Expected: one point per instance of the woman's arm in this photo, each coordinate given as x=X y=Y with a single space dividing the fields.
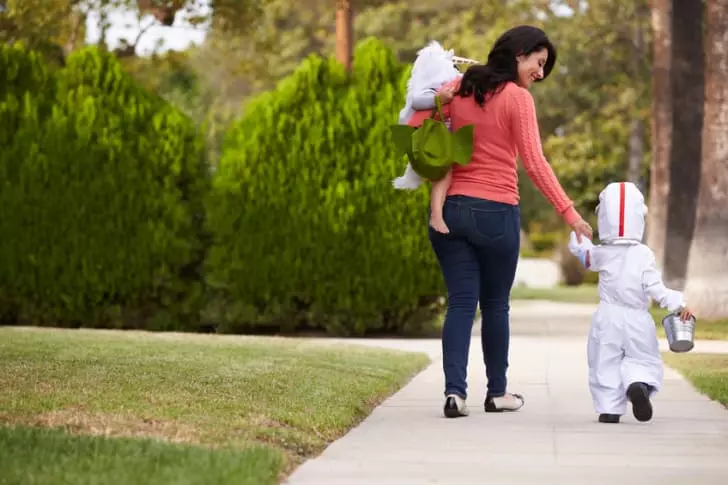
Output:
x=528 y=141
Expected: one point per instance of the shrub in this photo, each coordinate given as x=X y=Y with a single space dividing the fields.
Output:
x=25 y=84
x=547 y=241
x=572 y=273
x=307 y=229
x=101 y=204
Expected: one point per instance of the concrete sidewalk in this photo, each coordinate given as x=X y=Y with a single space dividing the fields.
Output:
x=554 y=439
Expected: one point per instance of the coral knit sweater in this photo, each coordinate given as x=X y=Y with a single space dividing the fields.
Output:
x=505 y=126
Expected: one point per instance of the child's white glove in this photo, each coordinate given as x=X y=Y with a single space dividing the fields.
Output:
x=579 y=249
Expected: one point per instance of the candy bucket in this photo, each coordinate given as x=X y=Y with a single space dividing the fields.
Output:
x=680 y=334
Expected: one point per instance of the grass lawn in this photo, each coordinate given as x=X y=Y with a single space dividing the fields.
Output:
x=573 y=294
x=704 y=330
x=707 y=372
x=102 y=407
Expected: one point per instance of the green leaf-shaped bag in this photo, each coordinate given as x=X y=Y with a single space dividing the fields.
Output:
x=432 y=148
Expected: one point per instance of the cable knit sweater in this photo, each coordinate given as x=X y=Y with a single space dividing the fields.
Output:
x=505 y=127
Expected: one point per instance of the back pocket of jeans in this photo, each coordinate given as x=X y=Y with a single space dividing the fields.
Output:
x=489 y=224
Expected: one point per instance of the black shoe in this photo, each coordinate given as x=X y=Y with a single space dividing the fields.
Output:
x=639 y=394
x=609 y=418
x=508 y=402
x=455 y=406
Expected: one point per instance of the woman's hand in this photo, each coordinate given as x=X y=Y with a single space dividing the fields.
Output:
x=582 y=229
x=446 y=94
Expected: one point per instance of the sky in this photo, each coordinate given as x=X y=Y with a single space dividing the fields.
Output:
x=124 y=24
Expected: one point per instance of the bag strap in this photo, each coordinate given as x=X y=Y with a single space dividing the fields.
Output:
x=437 y=110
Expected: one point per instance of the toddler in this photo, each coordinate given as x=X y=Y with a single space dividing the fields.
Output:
x=623 y=352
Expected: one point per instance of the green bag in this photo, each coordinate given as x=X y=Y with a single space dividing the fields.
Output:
x=433 y=148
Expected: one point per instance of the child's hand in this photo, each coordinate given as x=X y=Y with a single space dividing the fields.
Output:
x=576 y=248
x=685 y=314
x=438 y=224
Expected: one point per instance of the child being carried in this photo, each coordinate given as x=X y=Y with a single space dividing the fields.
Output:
x=433 y=75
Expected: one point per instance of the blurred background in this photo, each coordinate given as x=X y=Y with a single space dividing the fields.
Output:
x=225 y=165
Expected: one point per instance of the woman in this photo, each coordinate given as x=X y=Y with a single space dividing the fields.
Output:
x=479 y=251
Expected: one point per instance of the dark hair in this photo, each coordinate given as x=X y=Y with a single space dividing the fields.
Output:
x=485 y=80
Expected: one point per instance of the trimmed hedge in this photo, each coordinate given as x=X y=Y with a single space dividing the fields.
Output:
x=101 y=203
x=307 y=229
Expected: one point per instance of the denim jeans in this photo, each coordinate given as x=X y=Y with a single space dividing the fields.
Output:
x=478 y=259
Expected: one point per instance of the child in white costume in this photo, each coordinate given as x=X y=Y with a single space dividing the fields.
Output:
x=623 y=352
x=433 y=68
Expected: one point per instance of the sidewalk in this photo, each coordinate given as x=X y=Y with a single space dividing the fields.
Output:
x=554 y=439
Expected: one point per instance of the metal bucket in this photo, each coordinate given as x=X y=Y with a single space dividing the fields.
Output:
x=680 y=334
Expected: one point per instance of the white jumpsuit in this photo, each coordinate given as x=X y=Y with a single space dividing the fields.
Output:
x=622 y=346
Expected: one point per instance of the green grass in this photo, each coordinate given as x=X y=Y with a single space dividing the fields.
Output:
x=586 y=293
x=248 y=408
x=707 y=372
x=48 y=457
x=573 y=294
x=704 y=329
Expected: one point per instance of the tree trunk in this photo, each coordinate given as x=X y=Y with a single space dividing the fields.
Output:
x=77 y=21
x=637 y=129
x=344 y=33
x=688 y=93
x=707 y=283
x=661 y=127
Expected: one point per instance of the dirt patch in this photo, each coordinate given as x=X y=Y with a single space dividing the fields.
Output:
x=79 y=421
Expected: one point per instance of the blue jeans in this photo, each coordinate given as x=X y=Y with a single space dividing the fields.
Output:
x=478 y=259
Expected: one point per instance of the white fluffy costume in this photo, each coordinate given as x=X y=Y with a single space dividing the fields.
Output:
x=622 y=346
x=433 y=67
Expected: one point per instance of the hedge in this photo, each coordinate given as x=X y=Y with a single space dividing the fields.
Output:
x=101 y=202
x=307 y=231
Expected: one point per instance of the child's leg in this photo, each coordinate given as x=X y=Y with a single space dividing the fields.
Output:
x=604 y=353
x=437 y=201
x=642 y=359
x=642 y=368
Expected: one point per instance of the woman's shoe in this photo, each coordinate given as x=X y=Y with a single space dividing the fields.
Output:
x=507 y=402
x=455 y=406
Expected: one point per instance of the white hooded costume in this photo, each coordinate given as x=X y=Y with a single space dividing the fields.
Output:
x=622 y=347
x=433 y=67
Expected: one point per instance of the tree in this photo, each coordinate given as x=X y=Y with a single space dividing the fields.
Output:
x=229 y=17
x=51 y=27
x=677 y=109
x=661 y=126
x=594 y=109
x=707 y=285
x=56 y=27
x=637 y=126
x=345 y=227
x=344 y=32
x=687 y=97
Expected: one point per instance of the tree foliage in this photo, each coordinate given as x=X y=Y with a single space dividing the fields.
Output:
x=102 y=193
x=585 y=108
x=307 y=230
